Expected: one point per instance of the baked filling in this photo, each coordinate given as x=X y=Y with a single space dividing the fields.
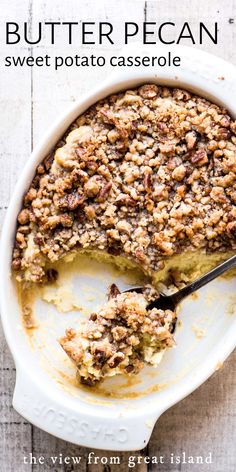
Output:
x=121 y=337
x=147 y=175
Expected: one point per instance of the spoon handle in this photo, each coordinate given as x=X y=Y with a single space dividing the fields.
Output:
x=220 y=269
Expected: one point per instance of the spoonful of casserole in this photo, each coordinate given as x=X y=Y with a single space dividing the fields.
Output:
x=132 y=329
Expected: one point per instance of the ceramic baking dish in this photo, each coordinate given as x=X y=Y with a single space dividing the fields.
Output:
x=42 y=394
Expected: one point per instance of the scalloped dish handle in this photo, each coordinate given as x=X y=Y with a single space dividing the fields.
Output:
x=120 y=433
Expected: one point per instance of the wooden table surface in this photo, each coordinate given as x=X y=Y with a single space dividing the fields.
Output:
x=30 y=100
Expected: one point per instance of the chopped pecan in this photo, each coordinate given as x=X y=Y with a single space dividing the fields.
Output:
x=140 y=255
x=93 y=186
x=24 y=216
x=74 y=200
x=81 y=152
x=100 y=355
x=218 y=194
x=113 y=291
x=70 y=333
x=119 y=332
x=38 y=239
x=191 y=139
x=233 y=127
x=115 y=360
x=92 y=166
x=126 y=200
x=148 y=91
x=30 y=195
x=124 y=227
x=179 y=173
x=90 y=212
x=20 y=239
x=167 y=148
x=223 y=133
x=199 y=158
x=105 y=190
x=180 y=94
x=16 y=263
x=147 y=182
x=48 y=161
x=52 y=221
x=231 y=229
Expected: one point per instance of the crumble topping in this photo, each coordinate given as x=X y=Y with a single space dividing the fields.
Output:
x=146 y=173
x=121 y=337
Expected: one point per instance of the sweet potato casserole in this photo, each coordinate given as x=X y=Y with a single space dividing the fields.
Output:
x=146 y=174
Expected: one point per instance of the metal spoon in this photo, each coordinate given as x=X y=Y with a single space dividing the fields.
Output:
x=170 y=302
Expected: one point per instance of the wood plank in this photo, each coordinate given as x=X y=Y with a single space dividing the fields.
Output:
x=203 y=422
x=53 y=450
x=15 y=96
x=206 y=11
x=14 y=445
x=15 y=137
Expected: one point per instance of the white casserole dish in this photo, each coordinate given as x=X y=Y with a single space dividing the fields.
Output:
x=124 y=424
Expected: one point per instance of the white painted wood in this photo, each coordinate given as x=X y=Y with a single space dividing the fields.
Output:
x=30 y=100
x=15 y=138
x=202 y=423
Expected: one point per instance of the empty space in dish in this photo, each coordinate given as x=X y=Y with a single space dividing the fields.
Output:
x=82 y=287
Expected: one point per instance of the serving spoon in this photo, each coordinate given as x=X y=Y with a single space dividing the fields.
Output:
x=170 y=302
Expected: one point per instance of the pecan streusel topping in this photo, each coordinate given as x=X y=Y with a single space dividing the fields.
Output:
x=146 y=173
x=119 y=339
